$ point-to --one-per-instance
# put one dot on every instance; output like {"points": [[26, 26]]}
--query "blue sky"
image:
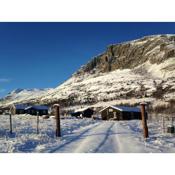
{"points": [[43, 55]]}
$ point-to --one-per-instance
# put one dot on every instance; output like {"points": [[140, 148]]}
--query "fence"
{"points": [[37, 121]]}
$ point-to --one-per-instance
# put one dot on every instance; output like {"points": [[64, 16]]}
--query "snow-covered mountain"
{"points": [[126, 73], [23, 96]]}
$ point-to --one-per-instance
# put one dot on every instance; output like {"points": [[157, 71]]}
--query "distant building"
{"points": [[120, 113], [5, 110], [84, 112], [18, 109], [33, 110]]}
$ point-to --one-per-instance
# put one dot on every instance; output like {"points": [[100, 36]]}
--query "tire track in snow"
{"points": [[103, 137], [108, 133], [96, 138], [117, 140], [127, 142], [74, 139]]}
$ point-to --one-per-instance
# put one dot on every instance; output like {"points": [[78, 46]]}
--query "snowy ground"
{"points": [[82, 136]]}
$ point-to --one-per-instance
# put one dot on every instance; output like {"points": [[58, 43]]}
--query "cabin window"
{"points": [[115, 115], [111, 110], [44, 112]]}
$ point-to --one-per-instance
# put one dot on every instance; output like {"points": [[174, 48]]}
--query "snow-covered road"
{"points": [[82, 136], [104, 137]]}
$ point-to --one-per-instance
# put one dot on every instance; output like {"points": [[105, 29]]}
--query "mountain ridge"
{"points": [[136, 69]]}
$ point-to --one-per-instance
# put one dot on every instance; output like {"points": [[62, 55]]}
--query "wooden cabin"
{"points": [[120, 113], [18, 109], [84, 112], [25, 109], [33, 110], [5, 110]]}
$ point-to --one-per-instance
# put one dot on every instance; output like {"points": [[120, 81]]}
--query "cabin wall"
{"points": [[34, 112], [104, 115], [110, 113], [19, 111], [76, 114], [131, 116], [88, 113], [43, 112]]}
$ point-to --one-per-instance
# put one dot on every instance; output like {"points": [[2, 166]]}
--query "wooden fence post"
{"points": [[37, 123], [172, 121], [163, 124], [57, 116], [144, 120], [10, 123]]}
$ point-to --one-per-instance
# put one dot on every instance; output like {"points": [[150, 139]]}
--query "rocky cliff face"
{"points": [[126, 73], [129, 55]]}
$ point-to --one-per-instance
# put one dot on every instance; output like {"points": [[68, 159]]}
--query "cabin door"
{"points": [[115, 115]]}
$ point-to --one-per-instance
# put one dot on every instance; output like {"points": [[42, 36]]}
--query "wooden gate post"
{"points": [[10, 122], [144, 120], [57, 116]]}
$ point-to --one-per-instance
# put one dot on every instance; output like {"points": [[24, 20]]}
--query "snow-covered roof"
{"points": [[124, 108], [28, 107], [81, 109], [38, 107], [20, 106]]}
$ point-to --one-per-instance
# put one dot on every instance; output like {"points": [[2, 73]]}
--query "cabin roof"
{"points": [[38, 107], [20, 106], [82, 109], [124, 108]]}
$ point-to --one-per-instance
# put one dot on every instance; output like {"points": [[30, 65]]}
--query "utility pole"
{"points": [[57, 116], [144, 120]]}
